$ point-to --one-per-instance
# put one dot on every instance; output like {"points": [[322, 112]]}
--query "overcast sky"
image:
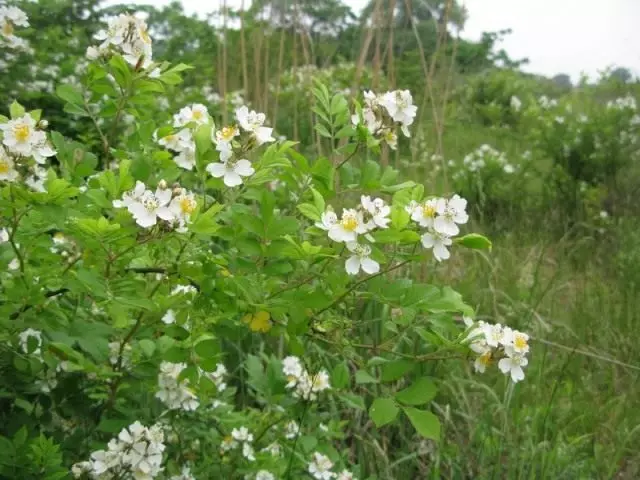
{"points": [[558, 36]]}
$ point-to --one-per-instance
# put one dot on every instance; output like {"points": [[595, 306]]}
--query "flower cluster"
{"points": [[173, 205], [26, 147], [368, 216], [125, 35], [382, 113], [485, 156], [181, 141], [493, 342], [11, 17], [239, 437], [232, 165], [306, 386], [320, 468], [135, 453], [441, 217], [174, 393], [218, 377], [623, 103]]}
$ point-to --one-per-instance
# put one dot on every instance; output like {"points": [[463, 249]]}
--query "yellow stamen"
{"points": [[227, 133], [428, 211], [7, 29], [4, 167], [187, 206], [485, 358], [21, 132], [349, 223], [520, 342], [197, 114]]}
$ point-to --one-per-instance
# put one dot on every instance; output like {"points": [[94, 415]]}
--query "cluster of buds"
{"points": [[173, 205], [305, 385], [125, 35], [495, 342], [135, 453], [24, 149], [383, 113], [234, 142]]}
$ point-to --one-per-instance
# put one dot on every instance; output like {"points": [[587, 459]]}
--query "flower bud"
{"points": [[162, 185], [42, 124], [176, 191]]}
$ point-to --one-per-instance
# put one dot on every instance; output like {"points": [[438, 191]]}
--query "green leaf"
{"points": [[425, 423], [420, 392], [383, 411], [70, 94], [340, 376], [353, 401], [318, 200], [147, 346], [391, 235], [322, 130], [310, 211], [474, 241], [203, 139], [362, 376], [392, 371], [207, 348], [16, 110]]}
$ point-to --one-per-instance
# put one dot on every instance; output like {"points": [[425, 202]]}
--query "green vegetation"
{"points": [[124, 313]]}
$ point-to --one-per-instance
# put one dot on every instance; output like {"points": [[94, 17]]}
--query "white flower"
{"points": [[25, 335], [399, 104], [253, 122], [378, 210], [177, 141], [494, 334], [512, 364], [7, 167], [151, 206], [242, 434], [227, 444], [21, 135], [508, 168], [14, 264], [175, 395], [231, 171], [320, 467], [291, 430], [264, 475], [42, 149], [80, 468], [169, 317], [450, 212], [424, 213], [247, 452], [273, 448], [347, 229], [292, 368], [439, 242], [185, 474], [327, 220], [186, 159], [197, 113], [516, 104], [481, 362], [345, 475], [131, 197], [4, 235], [183, 289], [37, 180], [181, 208], [92, 53], [323, 427], [518, 341], [360, 260], [223, 139]]}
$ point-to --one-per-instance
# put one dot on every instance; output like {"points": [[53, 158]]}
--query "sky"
{"points": [[558, 36]]}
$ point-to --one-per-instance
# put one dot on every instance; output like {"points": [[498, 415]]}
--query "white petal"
{"points": [[217, 170], [517, 374], [244, 168], [370, 266], [504, 365], [232, 179], [352, 265]]}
